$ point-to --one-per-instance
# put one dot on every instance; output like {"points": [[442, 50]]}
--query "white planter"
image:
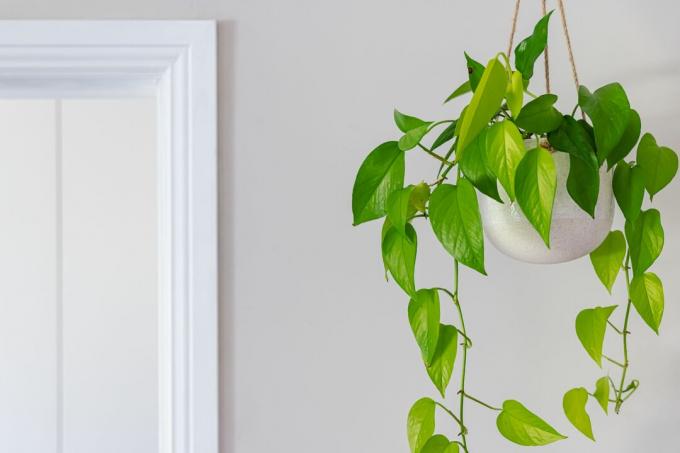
{"points": [[573, 233]]}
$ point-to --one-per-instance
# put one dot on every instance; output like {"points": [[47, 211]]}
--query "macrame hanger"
{"points": [[546, 56]]}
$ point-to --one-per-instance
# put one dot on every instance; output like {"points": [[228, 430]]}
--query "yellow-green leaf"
{"points": [[505, 150], [601, 394], [515, 93], [629, 189], [441, 368], [440, 444], [646, 292], [591, 326], [399, 256], [645, 240], [420, 424], [535, 188], [608, 258], [574, 404], [517, 424], [485, 103], [659, 164], [423, 315]]}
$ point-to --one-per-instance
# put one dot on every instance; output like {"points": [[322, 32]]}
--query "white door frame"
{"points": [[174, 60]]}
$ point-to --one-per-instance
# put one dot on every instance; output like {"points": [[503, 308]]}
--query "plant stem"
{"points": [[615, 362], [463, 429], [616, 329], [626, 362], [482, 403], [456, 301], [435, 155]]}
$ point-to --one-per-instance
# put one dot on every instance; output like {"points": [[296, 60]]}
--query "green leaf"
{"points": [[629, 189], [630, 137], [528, 51], [659, 164], [573, 137], [381, 173], [441, 368], [407, 123], [574, 404], [484, 104], [475, 168], [419, 197], [420, 424], [440, 444], [515, 93], [591, 326], [423, 315], [535, 187], [446, 135], [583, 183], [645, 240], [399, 256], [539, 116], [646, 292], [461, 90], [609, 110], [411, 138], [517, 424], [602, 393], [457, 223], [475, 71], [398, 208], [505, 150], [608, 258]]}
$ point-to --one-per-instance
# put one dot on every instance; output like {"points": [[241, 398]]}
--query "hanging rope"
{"points": [[546, 57], [514, 27], [569, 48]]}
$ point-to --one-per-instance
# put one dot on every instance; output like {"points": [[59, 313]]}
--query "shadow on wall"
{"points": [[226, 37]]}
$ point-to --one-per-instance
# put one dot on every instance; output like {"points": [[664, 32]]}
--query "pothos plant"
{"points": [[486, 149]]}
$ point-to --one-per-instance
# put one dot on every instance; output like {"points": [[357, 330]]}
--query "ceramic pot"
{"points": [[573, 233]]}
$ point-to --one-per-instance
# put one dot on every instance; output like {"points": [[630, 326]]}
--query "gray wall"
{"points": [[317, 354]]}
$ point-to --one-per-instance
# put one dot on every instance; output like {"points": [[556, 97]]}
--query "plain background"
{"points": [[316, 351]]}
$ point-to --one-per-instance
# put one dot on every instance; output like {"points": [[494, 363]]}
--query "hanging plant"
{"points": [[547, 183]]}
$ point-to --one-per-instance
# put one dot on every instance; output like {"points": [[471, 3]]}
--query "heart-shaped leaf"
{"points": [[574, 404], [645, 239], [475, 71], [583, 183], [515, 93], [399, 256], [591, 326], [419, 197], [411, 139], [399, 209], [609, 110], [441, 368], [440, 444], [659, 164], [601, 394], [505, 150], [475, 168], [484, 104], [608, 258], [517, 424], [573, 137], [528, 51], [407, 123], [629, 189], [646, 292], [457, 223], [630, 137], [539, 116], [423, 315], [420, 424], [381, 173], [535, 187]]}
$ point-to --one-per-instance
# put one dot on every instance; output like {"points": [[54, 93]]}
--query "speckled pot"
{"points": [[573, 232]]}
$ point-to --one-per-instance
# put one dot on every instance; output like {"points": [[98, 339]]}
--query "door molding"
{"points": [[176, 62]]}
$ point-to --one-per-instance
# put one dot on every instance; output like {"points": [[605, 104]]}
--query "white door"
{"points": [[78, 276]]}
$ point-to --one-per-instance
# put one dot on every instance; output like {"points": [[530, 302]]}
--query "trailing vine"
{"points": [[486, 148]]}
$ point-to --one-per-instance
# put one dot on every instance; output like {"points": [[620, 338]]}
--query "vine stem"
{"points": [[435, 155], [482, 403], [626, 362], [456, 301]]}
